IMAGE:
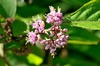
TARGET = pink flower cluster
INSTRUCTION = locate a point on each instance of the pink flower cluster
(54, 17)
(57, 40)
(57, 36)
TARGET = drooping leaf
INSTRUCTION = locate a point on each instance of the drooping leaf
(8, 8)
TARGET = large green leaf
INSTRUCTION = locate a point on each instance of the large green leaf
(88, 12)
(87, 16)
(8, 8)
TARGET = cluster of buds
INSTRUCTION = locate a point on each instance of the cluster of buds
(54, 17)
(7, 28)
(57, 36)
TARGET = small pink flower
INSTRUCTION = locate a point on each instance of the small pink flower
(41, 29)
(49, 19)
(31, 37)
(47, 47)
(55, 18)
(52, 50)
(35, 25)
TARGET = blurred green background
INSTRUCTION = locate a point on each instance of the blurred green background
(83, 48)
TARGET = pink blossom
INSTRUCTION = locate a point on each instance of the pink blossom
(54, 17)
(56, 37)
(31, 37)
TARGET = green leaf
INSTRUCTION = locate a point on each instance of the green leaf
(88, 16)
(86, 24)
(88, 12)
(8, 8)
(18, 28)
(2, 12)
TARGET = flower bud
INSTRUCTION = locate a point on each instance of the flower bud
(59, 34)
(43, 41)
(47, 47)
(65, 30)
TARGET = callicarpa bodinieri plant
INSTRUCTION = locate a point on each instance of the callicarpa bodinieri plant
(56, 36)
(31, 34)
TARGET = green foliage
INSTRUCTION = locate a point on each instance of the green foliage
(87, 16)
(19, 27)
(88, 12)
(8, 8)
